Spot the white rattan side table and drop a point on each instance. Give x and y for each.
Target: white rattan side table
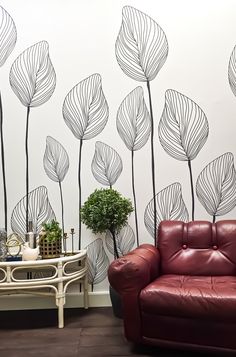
(14, 278)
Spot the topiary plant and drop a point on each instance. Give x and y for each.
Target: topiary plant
(106, 209)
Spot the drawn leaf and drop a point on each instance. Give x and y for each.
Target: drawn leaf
(232, 71)
(141, 45)
(40, 211)
(216, 185)
(85, 109)
(8, 35)
(106, 165)
(98, 262)
(133, 120)
(170, 206)
(125, 240)
(56, 160)
(32, 76)
(183, 128)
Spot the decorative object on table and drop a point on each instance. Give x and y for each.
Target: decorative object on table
(29, 253)
(64, 242)
(3, 245)
(72, 252)
(106, 209)
(30, 236)
(50, 239)
(72, 232)
(14, 244)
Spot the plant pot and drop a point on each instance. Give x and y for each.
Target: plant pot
(116, 302)
(50, 250)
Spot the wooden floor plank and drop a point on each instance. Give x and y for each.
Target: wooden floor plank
(87, 333)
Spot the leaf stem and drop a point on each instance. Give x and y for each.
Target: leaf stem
(153, 163)
(134, 196)
(3, 165)
(27, 169)
(79, 185)
(62, 217)
(192, 190)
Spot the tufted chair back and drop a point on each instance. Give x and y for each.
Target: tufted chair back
(198, 247)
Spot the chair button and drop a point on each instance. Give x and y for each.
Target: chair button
(184, 246)
(215, 247)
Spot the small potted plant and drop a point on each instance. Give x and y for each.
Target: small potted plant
(106, 209)
(50, 240)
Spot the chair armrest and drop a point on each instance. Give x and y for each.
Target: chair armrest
(128, 275)
(135, 270)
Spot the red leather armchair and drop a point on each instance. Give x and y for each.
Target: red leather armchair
(183, 293)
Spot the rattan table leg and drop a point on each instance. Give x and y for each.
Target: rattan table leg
(86, 299)
(60, 312)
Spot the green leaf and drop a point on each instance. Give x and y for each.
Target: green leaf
(106, 209)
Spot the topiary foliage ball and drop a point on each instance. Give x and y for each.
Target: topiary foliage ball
(106, 209)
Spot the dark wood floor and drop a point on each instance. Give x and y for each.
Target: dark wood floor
(87, 333)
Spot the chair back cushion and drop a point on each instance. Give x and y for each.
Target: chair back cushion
(198, 247)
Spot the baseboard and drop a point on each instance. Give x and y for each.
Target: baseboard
(73, 300)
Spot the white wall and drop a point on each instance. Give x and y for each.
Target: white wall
(81, 35)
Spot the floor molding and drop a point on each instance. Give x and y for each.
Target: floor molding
(73, 300)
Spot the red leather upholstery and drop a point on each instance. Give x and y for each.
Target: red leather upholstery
(182, 293)
(198, 248)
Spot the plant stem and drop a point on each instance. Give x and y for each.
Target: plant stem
(192, 191)
(116, 254)
(153, 163)
(134, 196)
(3, 164)
(27, 169)
(79, 185)
(62, 218)
(214, 219)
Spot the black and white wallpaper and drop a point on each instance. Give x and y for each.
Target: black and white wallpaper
(136, 96)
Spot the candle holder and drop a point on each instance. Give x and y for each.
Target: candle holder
(72, 232)
(64, 242)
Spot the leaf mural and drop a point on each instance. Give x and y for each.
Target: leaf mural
(32, 76)
(232, 71)
(216, 186)
(85, 111)
(98, 262)
(133, 120)
(141, 51)
(183, 130)
(56, 165)
(33, 80)
(56, 160)
(8, 37)
(40, 211)
(134, 127)
(124, 241)
(106, 165)
(141, 46)
(170, 206)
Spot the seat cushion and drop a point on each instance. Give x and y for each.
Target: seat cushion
(200, 297)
